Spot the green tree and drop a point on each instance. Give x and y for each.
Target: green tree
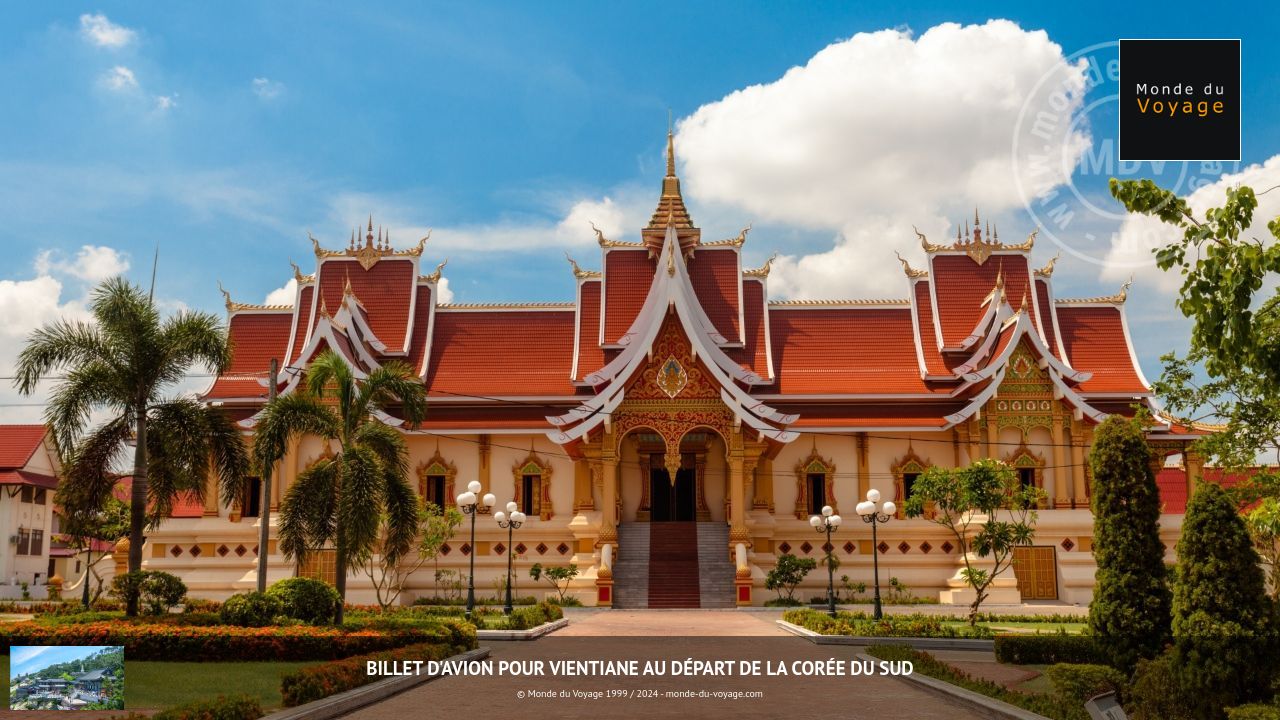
(435, 527)
(1224, 625)
(359, 500)
(1130, 608)
(1264, 527)
(1229, 290)
(122, 364)
(787, 573)
(988, 511)
(82, 526)
(559, 576)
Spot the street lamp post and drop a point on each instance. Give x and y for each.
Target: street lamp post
(469, 504)
(826, 523)
(510, 521)
(873, 512)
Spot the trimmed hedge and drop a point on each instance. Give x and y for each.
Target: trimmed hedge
(250, 609)
(527, 618)
(1254, 711)
(218, 643)
(306, 599)
(1049, 650)
(864, 625)
(236, 707)
(1051, 706)
(321, 681)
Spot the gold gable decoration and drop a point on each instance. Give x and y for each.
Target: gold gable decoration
(815, 464)
(437, 466)
(538, 471)
(1022, 458)
(372, 249)
(1025, 400)
(978, 245)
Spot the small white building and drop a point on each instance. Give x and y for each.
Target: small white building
(29, 469)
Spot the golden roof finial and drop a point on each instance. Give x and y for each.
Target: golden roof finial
(315, 244)
(928, 246)
(671, 147)
(671, 260)
(1027, 244)
(1123, 295)
(226, 296)
(422, 242)
(600, 238)
(906, 267)
(297, 272)
(578, 272)
(435, 276)
(763, 270)
(368, 238)
(324, 310)
(975, 218)
(1047, 270)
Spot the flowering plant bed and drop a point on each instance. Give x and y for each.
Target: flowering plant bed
(225, 642)
(321, 681)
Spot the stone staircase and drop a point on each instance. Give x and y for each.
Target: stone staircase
(673, 565)
(715, 568)
(631, 567)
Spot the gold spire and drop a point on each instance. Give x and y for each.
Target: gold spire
(670, 203)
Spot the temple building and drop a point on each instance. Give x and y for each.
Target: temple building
(670, 430)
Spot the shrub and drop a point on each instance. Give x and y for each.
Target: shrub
(1156, 693)
(787, 573)
(250, 609)
(1077, 682)
(864, 625)
(236, 707)
(192, 605)
(1047, 705)
(1254, 711)
(320, 681)
(527, 618)
(1049, 650)
(1224, 623)
(166, 642)
(306, 599)
(566, 601)
(157, 591)
(1130, 609)
(784, 602)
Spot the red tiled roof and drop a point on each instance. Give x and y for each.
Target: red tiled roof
(22, 477)
(1094, 339)
(1044, 302)
(922, 415)
(383, 290)
(301, 323)
(1172, 483)
(186, 505)
(489, 353)
(590, 356)
(18, 443)
(715, 276)
(628, 275)
(844, 351)
(933, 360)
(256, 337)
(755, 351)
(421, 326)
(960, 285)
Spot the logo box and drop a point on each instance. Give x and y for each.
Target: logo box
(1179, 100)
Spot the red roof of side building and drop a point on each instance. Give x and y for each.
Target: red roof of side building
(18, 443)
(1172, 483)
(1044, 304)
(755, 351)
(842, 351)
(303, 316)
(501, 352)
(22, 477)
(187, 505)
(1095, 341)
(590, 354)
(256, 337)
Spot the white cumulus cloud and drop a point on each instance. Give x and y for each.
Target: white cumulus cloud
(283, 295)
(98, 30)
(872, 135)
(266, 88)
(120, 78)
(166, 102)
(92, 263)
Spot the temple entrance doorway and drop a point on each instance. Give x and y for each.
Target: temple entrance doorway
(673, 501)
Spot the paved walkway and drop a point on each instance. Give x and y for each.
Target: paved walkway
(674, 636)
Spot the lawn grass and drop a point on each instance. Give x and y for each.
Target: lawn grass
(164, 684)
(1071, 628)
(1038, 684)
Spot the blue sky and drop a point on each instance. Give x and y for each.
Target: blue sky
(224, 132)
(24, 659)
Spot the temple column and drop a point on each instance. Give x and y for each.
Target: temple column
(992, 435)
(1194, 464)
(763, 496)
(211, 496)
(485, 474)
(1052, 487)
(955, 447)
(608, 490)
(975, 441)
(739, 537)
(1078, 494)
(582, 499)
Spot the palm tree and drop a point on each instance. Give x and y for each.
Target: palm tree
(345, 500)
(122, 364)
